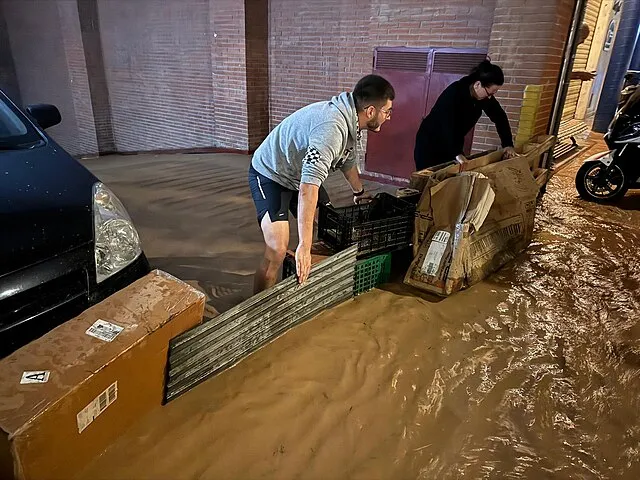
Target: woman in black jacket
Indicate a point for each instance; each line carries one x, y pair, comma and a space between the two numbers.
441, 135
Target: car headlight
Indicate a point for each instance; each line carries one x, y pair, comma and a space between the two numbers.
117, 243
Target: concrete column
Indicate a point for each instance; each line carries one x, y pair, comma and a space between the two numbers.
100, 100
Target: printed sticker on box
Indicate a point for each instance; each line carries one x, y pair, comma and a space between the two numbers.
37, 376
89, 413
105, 331
434, 254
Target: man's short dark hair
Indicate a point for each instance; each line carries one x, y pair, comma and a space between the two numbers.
487, 74
372, 90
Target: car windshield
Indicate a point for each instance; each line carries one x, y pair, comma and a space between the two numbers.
15, 133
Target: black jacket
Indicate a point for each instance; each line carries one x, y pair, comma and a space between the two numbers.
441, 134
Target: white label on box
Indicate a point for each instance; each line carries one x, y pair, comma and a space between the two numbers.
435, 252
89, 413
38, 376
105, 331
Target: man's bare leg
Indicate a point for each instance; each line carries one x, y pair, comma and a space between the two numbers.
276, 238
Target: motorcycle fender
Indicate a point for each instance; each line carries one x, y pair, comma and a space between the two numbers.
604, 157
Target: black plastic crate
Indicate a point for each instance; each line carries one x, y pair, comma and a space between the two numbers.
382, 225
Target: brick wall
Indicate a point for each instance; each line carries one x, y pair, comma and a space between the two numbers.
49, 66
158, 71
317, 49
152, 75
527, 41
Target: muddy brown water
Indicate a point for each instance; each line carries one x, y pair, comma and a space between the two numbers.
534, 373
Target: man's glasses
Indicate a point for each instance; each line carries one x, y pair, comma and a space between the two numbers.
387, 113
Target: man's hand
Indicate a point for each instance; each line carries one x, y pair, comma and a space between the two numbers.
362, 198
303, 262
509, 152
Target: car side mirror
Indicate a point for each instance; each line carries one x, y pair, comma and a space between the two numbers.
46, 115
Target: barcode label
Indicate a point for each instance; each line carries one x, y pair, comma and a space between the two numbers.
89, 413
435, 253
105, 331
495, 241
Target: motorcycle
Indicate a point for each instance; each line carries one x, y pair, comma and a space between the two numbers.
607, 176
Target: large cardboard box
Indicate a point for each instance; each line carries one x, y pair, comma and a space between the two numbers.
66, 396
469, 226
533, 151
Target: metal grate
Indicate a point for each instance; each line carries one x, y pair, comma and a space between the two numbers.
461, 63
230, 337
410, 61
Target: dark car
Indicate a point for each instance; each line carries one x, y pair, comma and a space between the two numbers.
66, 241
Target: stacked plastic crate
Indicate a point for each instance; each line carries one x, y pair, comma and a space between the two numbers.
379, 228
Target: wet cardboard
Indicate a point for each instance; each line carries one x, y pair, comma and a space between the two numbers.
467, 251
40, 437
533, 151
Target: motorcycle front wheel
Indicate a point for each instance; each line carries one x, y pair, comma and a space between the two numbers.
597, 183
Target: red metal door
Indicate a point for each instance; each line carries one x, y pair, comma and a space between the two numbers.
390, 151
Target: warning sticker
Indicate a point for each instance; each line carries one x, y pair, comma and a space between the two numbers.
105, 331
89, 413
436, 251
38, 376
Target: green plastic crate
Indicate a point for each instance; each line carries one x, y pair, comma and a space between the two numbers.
371, 272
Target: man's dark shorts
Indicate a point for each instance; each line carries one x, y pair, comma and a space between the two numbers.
272, 198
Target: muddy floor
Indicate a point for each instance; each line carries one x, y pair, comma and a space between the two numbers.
532, 374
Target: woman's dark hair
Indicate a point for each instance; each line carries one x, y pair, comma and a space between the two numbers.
372, 90
487, 74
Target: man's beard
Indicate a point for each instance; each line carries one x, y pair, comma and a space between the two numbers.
373, 125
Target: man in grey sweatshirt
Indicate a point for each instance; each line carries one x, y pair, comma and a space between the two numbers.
289, 167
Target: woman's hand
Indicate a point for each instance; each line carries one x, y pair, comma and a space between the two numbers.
509, 152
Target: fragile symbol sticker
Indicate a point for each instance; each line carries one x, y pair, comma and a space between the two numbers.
38, 376
105, 331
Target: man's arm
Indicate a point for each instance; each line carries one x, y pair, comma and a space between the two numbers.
325, 142
353, 178
307, 201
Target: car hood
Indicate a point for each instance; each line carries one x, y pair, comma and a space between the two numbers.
45, 205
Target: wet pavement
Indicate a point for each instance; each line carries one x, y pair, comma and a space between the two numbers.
534, 373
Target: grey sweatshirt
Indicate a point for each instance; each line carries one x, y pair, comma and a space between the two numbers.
309, 143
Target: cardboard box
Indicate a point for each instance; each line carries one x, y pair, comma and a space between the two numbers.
67, 395
532, 151
469, 232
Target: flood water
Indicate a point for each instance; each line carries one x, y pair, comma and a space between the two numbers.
533, 374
